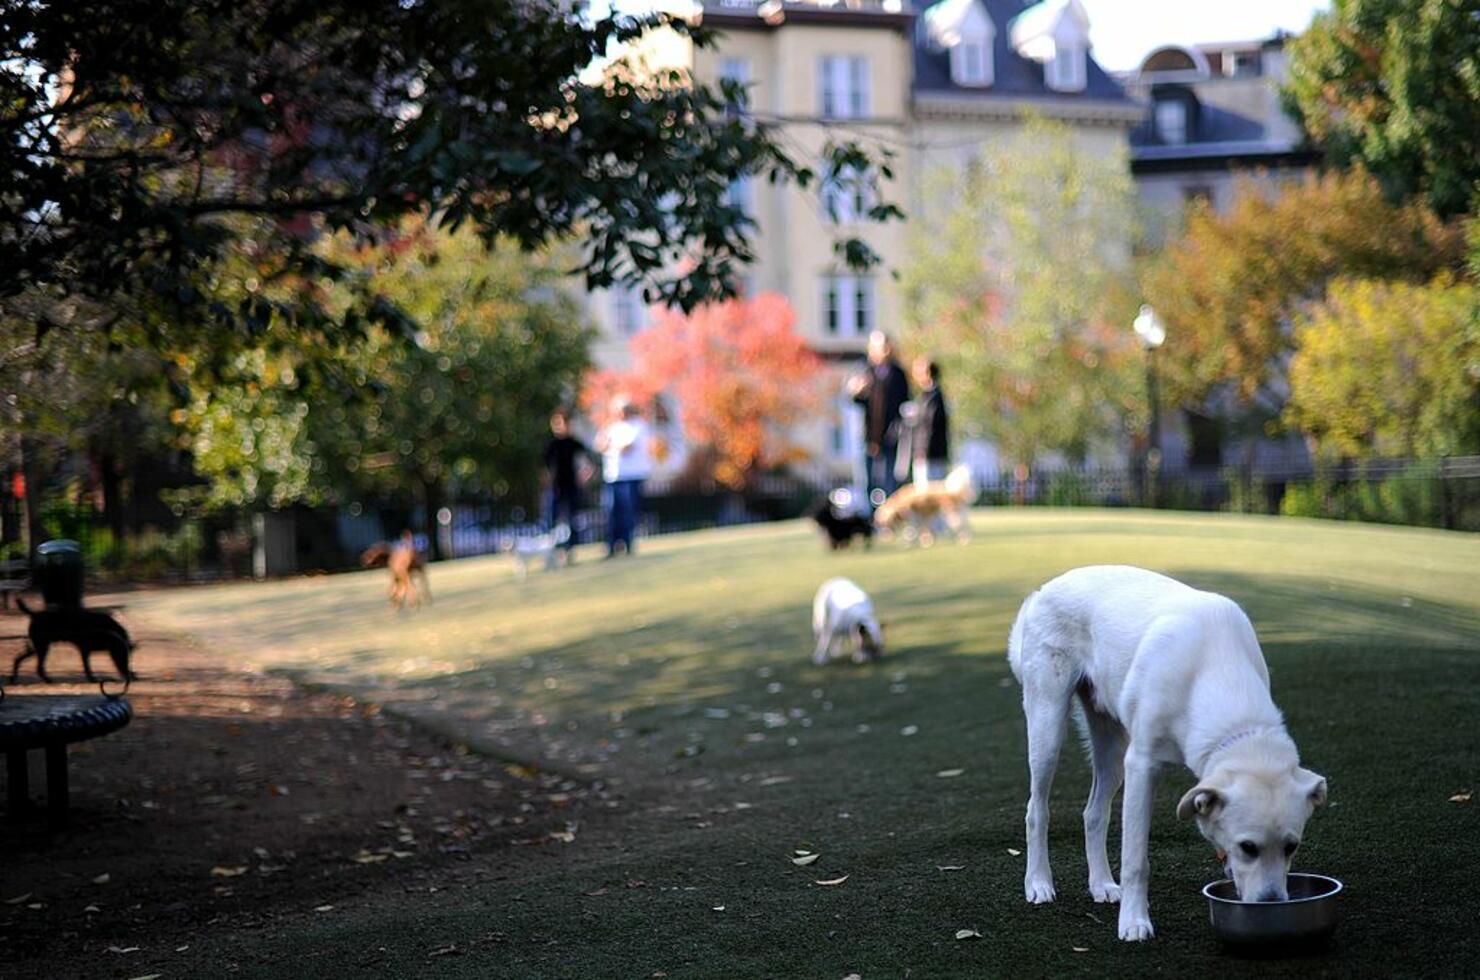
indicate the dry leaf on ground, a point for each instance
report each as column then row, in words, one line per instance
column 1014, row 852
column 950, row 773
column 805, row 860
column 324, row 908
column 950, row 867
column 102, row 879
column 1080, row 949
column 220, row 871
column 1462, row 797
column 968, row 934
column 833, row 881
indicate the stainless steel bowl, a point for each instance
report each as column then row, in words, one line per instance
column 1307, row 919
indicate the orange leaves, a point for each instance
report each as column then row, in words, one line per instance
column 738, row 375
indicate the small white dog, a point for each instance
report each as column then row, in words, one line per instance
column 842, row 614
column 1164, row 674
column 528, row 550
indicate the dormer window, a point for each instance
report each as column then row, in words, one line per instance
column 1065, row 72
column 971, row 62
column 962, row 29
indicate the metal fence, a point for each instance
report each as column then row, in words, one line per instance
column 1441, row 493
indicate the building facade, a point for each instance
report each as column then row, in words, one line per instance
column 933, row 88
column 1212, row 116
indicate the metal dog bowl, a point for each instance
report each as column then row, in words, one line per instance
column 1305, row 921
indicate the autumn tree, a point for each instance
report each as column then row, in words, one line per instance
column 739, row 376
column 1390, row 368
column 1018, row 280
column 1395, row 85
column 463, row 406
column 1231, row 285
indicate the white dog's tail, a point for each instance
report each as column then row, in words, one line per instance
column 960, row 484
column 1015, row 638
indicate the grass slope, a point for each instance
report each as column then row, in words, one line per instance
column 681, row 679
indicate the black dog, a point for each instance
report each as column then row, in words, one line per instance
column 87, row 629
column 842, row 528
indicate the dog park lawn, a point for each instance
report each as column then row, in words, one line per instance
column 680, row 681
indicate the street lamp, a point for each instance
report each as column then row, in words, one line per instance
column 1153, row 334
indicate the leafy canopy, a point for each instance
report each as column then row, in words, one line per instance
column 739, row 372
column 1395, row 85
column 1018, row 281
column 141, row 140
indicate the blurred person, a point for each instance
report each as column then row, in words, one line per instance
column 564, row 455
column 881, row 389
column 626, row 461
column 925, row 428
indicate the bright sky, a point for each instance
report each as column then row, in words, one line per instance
column 1124, row 31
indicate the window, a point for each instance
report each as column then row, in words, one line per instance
column 1065, row 73
column 843, row 87
column 628, row 313
column 1241, row 64
column 847, row 197
column 736, row 70
column 1171, row 121
column 971, row 62
column 847, row 305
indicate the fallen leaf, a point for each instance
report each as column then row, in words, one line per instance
column 909, row 730
column 18, row 899
column 223, row 872
column 968, row 934
column 92, row 908
column 102, row 879
column 451, row 950
column 1462, row 797
column 123, row 949
column 1014, row 852
column 834, row 881
column 365, row 857
column 35, row 905
column 565, row 836
column 596, row 894
column 950, row 867
column 950, row 773
column 805, row 859
column 148, row 976
column 853, row 976
column 718, row 908
column 181, row 949
column 324, row 908
column 1080, row 949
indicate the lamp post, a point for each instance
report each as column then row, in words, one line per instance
column 1153, row 334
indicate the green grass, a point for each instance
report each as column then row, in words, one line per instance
column 681, row 680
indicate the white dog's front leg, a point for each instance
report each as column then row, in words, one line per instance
column 825, row 638
column 1135, row 833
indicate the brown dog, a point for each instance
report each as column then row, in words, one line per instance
column 913, row 508
column 404, row 561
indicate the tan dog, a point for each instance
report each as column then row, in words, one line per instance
column 913, row 508
column 404, row 561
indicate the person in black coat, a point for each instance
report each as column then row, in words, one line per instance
column 564, row 457
column 925, row 436
column 881, row 390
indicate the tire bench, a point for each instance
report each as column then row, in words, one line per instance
column 51, row 722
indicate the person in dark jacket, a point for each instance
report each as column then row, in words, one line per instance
column 925, row 436
column 564, row 456
column 881, row 389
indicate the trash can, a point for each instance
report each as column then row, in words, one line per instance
column 57, row 572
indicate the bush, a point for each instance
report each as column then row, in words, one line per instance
column 1413, row 497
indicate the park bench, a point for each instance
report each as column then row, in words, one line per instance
column 15, row 577
column 51, row 722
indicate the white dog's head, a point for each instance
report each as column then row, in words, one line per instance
column 1255, row 817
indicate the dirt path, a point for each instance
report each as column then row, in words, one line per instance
column 237, row 802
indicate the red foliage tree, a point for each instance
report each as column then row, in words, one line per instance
column 739, row 375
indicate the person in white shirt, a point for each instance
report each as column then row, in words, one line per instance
column 626, row 461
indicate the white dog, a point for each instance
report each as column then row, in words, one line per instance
column 528, row 550
column 842, row 614
column 1163, row 673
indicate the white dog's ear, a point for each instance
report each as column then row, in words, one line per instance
column 1315, row 786
column 1201, row 800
